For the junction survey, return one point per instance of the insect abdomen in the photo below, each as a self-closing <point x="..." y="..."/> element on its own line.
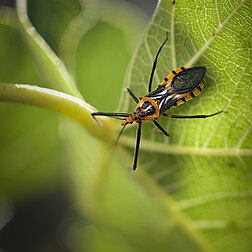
<point x="190" y="95"/>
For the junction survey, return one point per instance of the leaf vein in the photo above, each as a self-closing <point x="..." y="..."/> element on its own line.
<point x="213" y="36"/>
<point x="151" y="146"/>
<point x="189" y="203"/>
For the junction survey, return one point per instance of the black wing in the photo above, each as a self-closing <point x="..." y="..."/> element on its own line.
<point x="183" y="82"/>
<point x="187" y="80"/>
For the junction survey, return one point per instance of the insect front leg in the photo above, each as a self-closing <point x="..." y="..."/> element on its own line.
<point x="120" y="116"/>
<point x="138" y="138"/>
<point x="132" y="95"/>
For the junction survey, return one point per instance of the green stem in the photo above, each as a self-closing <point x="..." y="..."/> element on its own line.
<point x="62" y="103"/>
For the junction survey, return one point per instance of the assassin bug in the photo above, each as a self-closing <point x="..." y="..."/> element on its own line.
<point x="179" y="86"/>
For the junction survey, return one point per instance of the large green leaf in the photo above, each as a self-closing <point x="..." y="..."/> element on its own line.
<point x="206" y="164"/>
<point x="28" y="162"/>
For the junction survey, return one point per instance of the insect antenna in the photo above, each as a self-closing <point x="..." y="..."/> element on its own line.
<point x="119" y="135"/>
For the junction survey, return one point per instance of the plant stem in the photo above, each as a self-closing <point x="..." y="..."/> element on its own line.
<point x="62" y="103"/>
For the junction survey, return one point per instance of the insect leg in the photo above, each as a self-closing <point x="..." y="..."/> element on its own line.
<point x="191" y="116"/>
<point x="120" y="116"/>
<point x="94" y="114"/>
<point x="132" y="95"/>
<point x="155" y="63"/>
<point x="160" y="128"/>
<point x="138" y="138"/>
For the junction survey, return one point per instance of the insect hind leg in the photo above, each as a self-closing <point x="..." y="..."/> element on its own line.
<point x="155" y="63"/>
<point x="190" y="116"/>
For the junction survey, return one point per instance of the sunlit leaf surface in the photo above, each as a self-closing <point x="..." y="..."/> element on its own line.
<point x="206" y="163"/>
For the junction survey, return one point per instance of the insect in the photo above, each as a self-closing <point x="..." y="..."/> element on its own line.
<point x="179" y="86"/>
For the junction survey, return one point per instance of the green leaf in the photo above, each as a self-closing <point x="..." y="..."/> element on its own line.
<point x="205" y="165"/>
<point x="28" y="161"/>
<point x="52" y="68"/>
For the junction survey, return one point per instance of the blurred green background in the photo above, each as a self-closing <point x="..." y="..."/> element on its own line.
<point x="95" y="39"/>
<point x="62" y="189"/>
